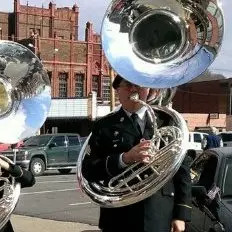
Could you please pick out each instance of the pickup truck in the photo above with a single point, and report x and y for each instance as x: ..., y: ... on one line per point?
x: 195, y: 140
x: 48, y: 151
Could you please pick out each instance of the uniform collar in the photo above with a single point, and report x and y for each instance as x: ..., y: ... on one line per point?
x: 125, y: 123
x: 141, y: 112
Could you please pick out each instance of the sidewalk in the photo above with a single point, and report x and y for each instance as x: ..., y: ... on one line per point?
x: 29, y: 224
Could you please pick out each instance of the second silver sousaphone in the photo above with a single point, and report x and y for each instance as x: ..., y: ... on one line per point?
x: 25, y: 98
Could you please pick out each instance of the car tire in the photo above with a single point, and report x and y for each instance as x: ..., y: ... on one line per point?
x: 64, y: 171
x: 37, y: 166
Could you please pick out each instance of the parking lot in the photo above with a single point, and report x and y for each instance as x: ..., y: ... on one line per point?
x: 57, y: 197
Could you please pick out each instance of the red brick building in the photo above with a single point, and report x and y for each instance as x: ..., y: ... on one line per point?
x: 78, y: 67
x: 75, y: 67
x: 205, y: 103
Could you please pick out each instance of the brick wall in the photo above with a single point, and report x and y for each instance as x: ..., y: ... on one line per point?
x: 229, y: 122
x: 47, y: 22
x: 46, y: 48
x: 4, y: 25
x: 202, y: 97
x: 203, y: 120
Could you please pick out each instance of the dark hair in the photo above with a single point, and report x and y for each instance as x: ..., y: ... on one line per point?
x: 117, y: 81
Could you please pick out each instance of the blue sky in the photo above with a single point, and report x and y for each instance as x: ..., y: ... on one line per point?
x: 93, y: 11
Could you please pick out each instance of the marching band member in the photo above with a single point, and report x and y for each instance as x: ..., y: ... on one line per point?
x: 121, y: 139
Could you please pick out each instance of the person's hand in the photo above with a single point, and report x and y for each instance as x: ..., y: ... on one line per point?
x: 178, y: 226
x: 138, y: 153
x: 14, y: 170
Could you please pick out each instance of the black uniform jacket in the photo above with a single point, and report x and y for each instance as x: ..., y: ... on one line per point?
x: 113, y: 135
x: 26, y: 180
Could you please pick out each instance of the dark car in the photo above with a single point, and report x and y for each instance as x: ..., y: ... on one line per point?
x: 226, y: 138
x: 49, y: 151
x: 211, y: 175
x: 83, y: 139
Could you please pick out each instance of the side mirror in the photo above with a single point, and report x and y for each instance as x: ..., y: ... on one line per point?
x: 199, y: 191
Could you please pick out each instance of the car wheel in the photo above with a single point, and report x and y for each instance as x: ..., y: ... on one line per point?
x: 65, y: 171
x: 37, y: 166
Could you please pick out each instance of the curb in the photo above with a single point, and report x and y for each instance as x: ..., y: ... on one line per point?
x: 28, y: 224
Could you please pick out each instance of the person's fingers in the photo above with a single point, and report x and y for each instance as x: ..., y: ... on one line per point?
x: 142, y: 148
x: 144, y: 142
x: 139, y: 152
x: 146, y: 160
x: 144, y: 157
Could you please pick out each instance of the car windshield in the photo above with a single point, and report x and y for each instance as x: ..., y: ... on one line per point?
x: 41, y: 140
x: 203, y: 170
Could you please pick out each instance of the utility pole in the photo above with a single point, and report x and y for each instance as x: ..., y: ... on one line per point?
x: 112, y: 93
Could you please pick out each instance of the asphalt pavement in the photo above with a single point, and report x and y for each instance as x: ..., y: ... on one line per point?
x: 29, y: 224
x: 59, y: 198
x: 54, y: 204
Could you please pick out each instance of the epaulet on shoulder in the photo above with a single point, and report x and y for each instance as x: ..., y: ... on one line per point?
x: 104, y: 118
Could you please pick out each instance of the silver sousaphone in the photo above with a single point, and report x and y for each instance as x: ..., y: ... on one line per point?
x: 25, y: 98
x: 159, y: 44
